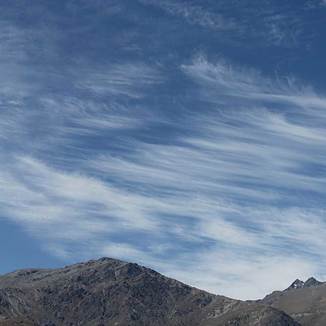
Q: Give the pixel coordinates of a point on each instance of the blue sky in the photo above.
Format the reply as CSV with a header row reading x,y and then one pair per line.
x,y
188,136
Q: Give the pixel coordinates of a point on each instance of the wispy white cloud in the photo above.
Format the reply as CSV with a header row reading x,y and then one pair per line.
x,y
238,275
195,14
224,191
213,191
314,4
241,20
249,149
120,80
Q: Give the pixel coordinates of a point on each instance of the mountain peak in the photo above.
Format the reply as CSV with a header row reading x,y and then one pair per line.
x,y
113,292
310,282
297,284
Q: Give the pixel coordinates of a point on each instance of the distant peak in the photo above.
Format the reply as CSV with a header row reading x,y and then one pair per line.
x,y
310,282
297,284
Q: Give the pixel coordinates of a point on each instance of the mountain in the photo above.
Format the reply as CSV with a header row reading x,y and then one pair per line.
x,y
112,292
303,301
298,284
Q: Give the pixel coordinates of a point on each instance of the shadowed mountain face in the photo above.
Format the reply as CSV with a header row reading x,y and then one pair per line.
x,y
112,292
303,301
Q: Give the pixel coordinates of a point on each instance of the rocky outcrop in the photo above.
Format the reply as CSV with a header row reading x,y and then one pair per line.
x,y
303,301
113,292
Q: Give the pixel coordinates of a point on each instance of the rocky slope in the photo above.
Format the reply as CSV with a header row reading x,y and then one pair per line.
x,y
303,301
112,292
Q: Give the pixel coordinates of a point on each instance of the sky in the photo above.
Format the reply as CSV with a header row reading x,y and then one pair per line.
x,y
188,136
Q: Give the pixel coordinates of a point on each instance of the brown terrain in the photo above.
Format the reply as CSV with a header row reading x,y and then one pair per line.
x,y
303,301
112,292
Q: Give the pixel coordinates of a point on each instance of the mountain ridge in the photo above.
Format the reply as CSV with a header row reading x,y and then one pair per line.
x,y
113,292
303,301
298,284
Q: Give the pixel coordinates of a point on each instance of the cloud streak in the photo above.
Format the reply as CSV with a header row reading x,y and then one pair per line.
x,y
225,177
195,14
214,190
236,22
